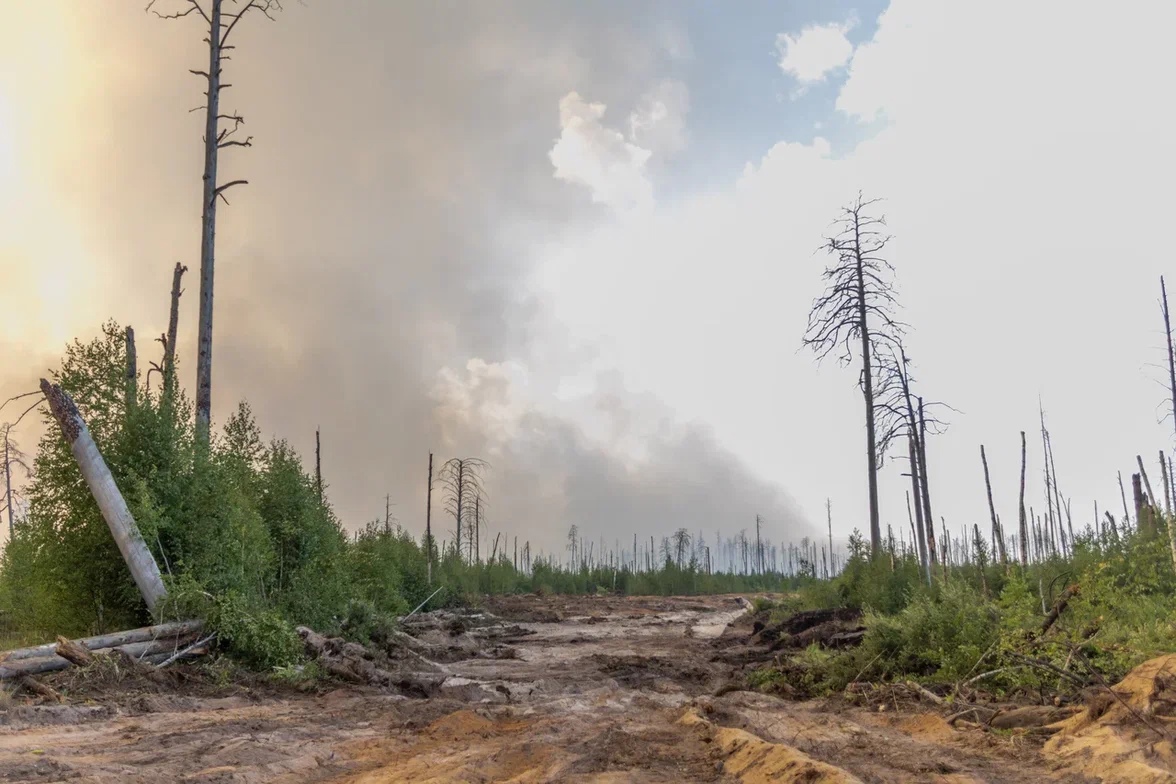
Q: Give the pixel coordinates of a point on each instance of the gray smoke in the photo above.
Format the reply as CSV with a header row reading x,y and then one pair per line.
x,y
400,151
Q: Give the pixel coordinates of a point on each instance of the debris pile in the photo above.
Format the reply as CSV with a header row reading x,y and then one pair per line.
x,y
1125,732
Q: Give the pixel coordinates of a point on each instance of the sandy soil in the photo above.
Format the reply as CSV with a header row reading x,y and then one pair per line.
x,y
606,690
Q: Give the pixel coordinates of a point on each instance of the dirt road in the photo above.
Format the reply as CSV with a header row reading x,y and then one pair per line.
x,y
605,690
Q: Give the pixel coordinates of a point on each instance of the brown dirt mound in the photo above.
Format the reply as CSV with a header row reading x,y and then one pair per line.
x,y
1126,736
752,760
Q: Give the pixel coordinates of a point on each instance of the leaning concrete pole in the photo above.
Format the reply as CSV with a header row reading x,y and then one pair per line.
x,y
110,501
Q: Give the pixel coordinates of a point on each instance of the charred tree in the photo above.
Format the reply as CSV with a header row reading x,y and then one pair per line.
x,y
220,18
318,464
132,370
461,478
856,316
902,414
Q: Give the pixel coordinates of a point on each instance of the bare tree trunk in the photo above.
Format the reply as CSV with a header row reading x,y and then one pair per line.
x,y
920,528
1142,521
1167,485
460,506
829,518
476,546
759,550
868,394
924,484
132,370
1024,522
1171,349
208,228
996,532
1150,505
429,525
173,328
318,464
144,569
1123,495
8,482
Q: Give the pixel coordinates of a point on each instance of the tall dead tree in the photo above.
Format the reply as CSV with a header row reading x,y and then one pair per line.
x,y
1024,531
167,368
997,533
429,525
1172,389
463,491
902,414
856,316
13,458
220,19
173,328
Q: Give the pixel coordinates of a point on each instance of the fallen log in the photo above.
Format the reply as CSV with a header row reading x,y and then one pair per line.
x,y
351,662
73,652
113,640
138,651
803,621
33,685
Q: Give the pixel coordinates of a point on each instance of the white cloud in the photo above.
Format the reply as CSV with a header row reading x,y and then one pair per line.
x,y
1025,176
613,166
816,51
659,121
591,154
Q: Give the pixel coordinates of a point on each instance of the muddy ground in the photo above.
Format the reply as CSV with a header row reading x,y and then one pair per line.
x,y
594,689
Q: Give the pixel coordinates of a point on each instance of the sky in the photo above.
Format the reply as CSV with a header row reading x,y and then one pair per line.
x,y
580,241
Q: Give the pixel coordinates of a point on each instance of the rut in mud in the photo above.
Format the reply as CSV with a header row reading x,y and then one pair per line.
x,y
596,689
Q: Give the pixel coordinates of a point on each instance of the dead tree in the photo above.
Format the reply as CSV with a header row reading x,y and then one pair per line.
x,y
902,414
463,490
167,368
997,533
1172,391
858,307
13,458
220,19
1024,521
429,525
98,478
318,465
132,370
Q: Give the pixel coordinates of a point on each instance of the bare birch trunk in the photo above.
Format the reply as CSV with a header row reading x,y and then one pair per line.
x,y
114,509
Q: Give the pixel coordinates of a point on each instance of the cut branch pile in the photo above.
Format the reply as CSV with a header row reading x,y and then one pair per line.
x,y
155,645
